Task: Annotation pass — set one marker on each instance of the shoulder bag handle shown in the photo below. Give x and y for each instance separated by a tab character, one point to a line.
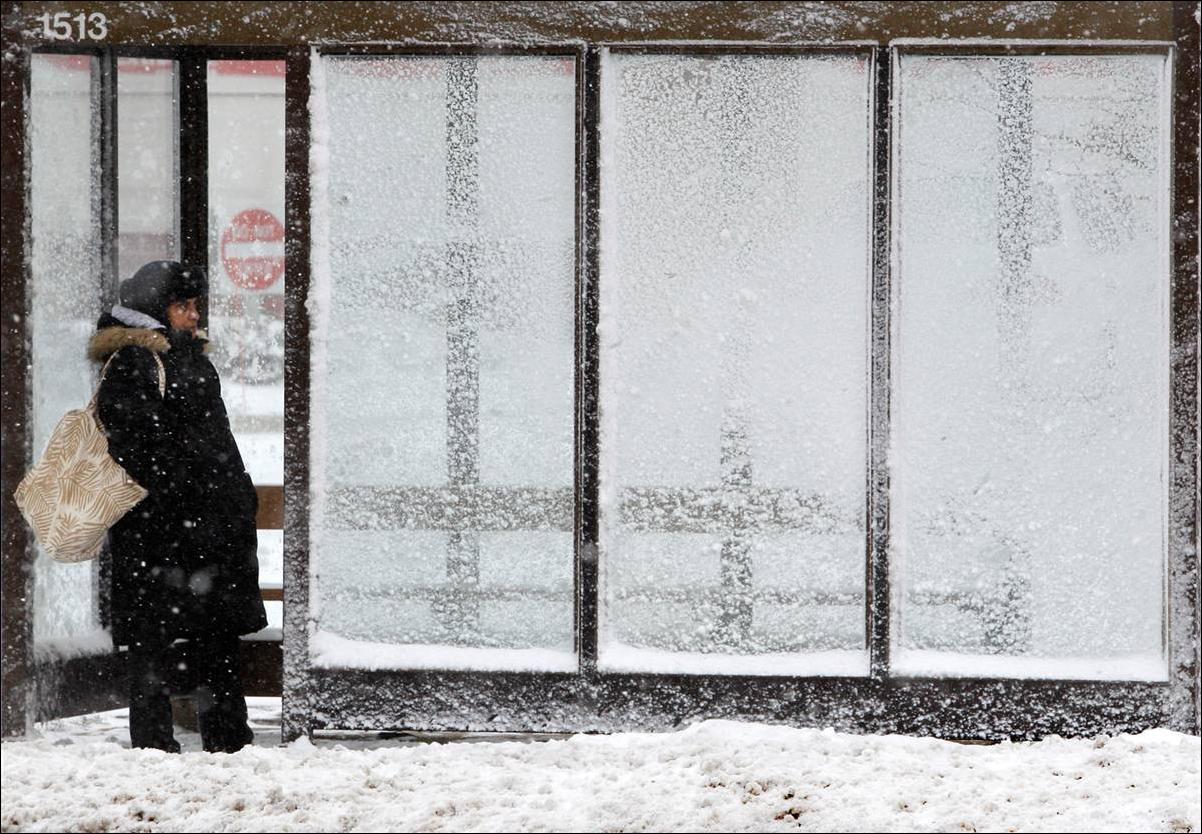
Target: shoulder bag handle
157	360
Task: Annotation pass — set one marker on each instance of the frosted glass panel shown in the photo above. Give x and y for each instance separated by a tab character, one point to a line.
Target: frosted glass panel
444	209
64	302
733	338
1030	365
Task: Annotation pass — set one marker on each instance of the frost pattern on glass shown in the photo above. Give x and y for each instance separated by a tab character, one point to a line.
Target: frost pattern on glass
246	256
147	163
733	361
1030	365
444	358
64	287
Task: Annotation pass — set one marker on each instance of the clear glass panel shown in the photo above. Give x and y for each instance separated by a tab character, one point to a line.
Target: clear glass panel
271	572
65	289
275	614
1030	366
271	558
734	316
246	256
443	355
147	163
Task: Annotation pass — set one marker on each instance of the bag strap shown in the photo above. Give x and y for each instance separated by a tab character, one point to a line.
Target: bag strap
157	360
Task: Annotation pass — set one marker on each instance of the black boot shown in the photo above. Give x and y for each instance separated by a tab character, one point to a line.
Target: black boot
150	723
223	722
220	704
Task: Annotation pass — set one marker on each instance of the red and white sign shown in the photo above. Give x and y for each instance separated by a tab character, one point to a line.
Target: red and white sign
252	249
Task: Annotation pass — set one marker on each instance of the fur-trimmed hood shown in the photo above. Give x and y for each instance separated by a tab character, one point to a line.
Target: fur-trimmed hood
113	333
108	340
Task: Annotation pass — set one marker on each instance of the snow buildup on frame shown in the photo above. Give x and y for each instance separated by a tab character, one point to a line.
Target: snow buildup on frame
715	776
734	298
318	305
444	360
1030	399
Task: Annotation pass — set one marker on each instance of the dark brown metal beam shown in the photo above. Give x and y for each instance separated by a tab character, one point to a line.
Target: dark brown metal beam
518	24
108	106
1185	504
192	91
876	576
296	710
588	357
17	629
612	702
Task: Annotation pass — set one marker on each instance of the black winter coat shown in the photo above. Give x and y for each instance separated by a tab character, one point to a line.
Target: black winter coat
185	558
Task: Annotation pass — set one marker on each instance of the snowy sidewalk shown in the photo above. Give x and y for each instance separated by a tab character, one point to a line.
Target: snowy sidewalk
76	775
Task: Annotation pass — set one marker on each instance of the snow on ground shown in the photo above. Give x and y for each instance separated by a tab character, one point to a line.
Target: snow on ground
78	775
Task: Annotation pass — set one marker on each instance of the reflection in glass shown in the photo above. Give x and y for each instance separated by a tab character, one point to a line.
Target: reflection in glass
147	163
246	255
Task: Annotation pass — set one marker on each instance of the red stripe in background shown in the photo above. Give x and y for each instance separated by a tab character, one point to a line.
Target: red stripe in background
273	68
83	63
277	69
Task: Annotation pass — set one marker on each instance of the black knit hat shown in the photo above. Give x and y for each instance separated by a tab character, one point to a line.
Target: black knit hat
159	283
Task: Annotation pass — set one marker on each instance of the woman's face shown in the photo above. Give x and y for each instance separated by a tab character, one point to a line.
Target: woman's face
184	315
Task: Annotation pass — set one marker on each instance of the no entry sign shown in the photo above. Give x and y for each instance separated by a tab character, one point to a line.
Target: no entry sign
252	249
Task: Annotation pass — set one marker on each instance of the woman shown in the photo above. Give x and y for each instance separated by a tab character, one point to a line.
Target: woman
184	559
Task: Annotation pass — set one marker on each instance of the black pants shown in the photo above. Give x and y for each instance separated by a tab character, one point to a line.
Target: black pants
205	666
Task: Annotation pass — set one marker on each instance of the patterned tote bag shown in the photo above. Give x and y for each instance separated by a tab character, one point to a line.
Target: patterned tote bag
76	492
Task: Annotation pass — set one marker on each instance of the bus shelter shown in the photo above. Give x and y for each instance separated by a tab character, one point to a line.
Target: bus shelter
613	366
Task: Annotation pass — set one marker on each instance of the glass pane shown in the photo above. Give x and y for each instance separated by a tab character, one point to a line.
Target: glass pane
271	558
1030	374
246	256
443	355
65	289
271	574
734	302
147	163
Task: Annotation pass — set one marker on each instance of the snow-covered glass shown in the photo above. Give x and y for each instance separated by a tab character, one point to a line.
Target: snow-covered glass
147	163
64	292
444	197
734	324
1030	366
246	258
